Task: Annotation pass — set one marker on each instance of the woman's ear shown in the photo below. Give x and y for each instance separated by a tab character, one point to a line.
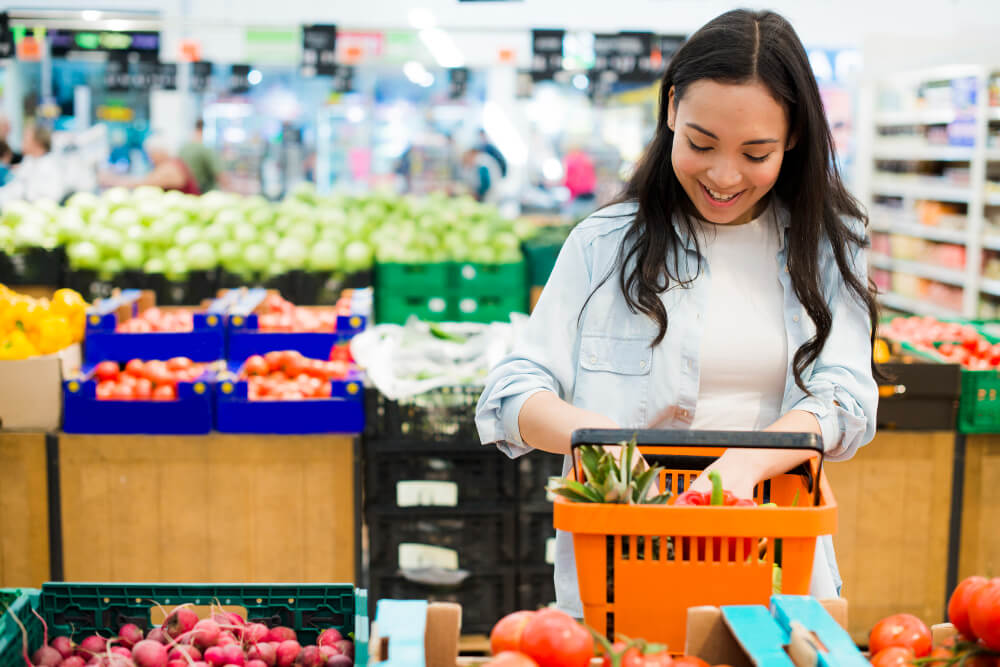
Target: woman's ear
793	139
671	109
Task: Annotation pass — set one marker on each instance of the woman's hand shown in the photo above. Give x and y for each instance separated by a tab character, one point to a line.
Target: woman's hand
739	472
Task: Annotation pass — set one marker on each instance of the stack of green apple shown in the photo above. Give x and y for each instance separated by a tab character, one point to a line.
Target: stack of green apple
170	233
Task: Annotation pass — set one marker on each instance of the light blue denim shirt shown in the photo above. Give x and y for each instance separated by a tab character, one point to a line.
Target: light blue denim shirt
605	363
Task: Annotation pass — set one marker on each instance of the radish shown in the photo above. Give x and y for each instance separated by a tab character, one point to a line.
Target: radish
346	647
73	661
157	635
206	633
64	645
263	652
233	655
214	656
280	634
309	657
227	639
122	651
91	646
149	653
329	637
254	633
46	656
177	663
287	652
340	661
177	652
328	652
180	621
257	663
130	634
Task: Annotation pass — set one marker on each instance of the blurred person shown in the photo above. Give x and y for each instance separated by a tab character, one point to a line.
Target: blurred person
6	157
202	160
481	174
580	179
169	172
5	136
41	175
486	146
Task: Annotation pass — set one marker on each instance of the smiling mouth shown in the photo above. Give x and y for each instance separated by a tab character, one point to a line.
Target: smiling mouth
720	197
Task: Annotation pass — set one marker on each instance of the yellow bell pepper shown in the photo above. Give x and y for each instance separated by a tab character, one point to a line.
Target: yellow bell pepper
17	346
53	334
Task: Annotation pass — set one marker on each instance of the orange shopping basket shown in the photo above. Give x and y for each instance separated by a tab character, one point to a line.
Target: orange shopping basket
640	567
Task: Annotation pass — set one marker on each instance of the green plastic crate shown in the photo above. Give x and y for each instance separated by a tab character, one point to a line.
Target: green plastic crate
86	608
472	278
18	603
490	308
979	403
397	308
413	278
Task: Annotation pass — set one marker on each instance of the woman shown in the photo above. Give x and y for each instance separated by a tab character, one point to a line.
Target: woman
727	289
169	172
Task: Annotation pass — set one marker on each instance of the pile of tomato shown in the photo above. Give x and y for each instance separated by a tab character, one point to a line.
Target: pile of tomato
139	380
287	375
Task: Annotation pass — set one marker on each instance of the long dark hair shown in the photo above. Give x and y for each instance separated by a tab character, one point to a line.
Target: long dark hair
743	46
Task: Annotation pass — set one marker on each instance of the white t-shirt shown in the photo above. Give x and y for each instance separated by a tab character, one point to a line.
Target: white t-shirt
744	351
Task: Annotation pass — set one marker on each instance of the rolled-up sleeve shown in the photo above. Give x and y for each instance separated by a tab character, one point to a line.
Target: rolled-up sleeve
544	353
844	392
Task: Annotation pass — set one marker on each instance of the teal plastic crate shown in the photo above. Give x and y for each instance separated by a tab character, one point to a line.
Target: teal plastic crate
471	278
413	277
490	308
18	603
86	608
397	308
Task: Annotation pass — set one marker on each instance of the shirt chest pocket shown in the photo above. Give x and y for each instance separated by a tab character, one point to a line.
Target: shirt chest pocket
613	377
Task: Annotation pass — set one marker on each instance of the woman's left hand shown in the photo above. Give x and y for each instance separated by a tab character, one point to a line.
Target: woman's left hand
737	471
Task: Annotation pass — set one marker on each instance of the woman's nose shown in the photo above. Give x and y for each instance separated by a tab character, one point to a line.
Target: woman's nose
724	174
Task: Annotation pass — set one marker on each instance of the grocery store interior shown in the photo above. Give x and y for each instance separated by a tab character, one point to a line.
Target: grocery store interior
263	266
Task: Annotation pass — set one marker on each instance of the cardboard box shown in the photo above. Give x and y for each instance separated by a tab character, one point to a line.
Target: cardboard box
31	390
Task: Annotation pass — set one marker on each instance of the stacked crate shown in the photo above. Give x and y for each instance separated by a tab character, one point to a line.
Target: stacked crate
535	534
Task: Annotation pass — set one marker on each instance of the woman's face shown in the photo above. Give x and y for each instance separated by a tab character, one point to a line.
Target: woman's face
729	142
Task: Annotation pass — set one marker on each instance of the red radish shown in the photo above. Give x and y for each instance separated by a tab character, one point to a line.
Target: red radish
280	634
180	621
177	653
149	653
91	646
46	656
205	633
122	651
309	657
157	635
214	656
227	639
177	663
346	647
288	651
254	633
329	637
340	661
73	661
233	655
64	645
328	652
257	663
130	634
264	652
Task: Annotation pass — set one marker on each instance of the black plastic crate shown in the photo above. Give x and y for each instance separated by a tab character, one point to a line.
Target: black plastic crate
37	266
533	472
479	540
485	597
535	539
536	587
481	474
445	414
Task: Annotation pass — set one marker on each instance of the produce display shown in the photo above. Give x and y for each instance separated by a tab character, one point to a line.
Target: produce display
951	342
185	640
171	233
289	376
276	314
155	320
139	380
30	327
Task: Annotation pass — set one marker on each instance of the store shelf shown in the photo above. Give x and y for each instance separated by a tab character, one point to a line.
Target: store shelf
890	150
988	286
993	113
920	117
993	154
941	275
916	306
913	189
993	199
917	230
991	242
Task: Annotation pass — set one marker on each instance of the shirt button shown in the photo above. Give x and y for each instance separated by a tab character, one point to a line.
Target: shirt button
593	358
795	318
642	364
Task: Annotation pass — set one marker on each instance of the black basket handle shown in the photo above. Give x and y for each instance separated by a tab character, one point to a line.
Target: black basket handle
688	438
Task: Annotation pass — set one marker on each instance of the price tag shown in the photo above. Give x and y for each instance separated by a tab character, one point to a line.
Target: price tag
546	53
319	47
413	556
420	493
550	551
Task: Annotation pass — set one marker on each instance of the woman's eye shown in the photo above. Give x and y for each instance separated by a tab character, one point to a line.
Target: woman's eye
753	158
700	149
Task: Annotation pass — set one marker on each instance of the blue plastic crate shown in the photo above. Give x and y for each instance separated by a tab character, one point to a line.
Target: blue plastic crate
206	342
190	414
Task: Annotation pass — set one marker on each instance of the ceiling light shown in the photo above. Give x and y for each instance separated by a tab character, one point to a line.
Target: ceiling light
90	15
254	77
442	47
421	18
580	81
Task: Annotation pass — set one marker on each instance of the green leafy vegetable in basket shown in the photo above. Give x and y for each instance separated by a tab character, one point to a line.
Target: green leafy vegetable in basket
607	479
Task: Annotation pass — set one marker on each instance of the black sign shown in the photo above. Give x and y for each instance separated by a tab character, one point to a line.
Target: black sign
630	57
166	76
144	74
201	76
546	53
319	50
239	79
458	82
343	79
6	37
63	42
116	74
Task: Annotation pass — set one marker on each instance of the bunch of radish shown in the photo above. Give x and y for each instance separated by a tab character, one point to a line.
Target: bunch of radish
184	640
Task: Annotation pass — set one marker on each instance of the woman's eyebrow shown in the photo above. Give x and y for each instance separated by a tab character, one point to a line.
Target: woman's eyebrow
745	143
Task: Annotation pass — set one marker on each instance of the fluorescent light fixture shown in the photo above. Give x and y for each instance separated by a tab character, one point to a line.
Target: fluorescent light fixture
442	47
117	25
580	81
355	114
503	133
552	169
418	74
254	77
421	18
90	15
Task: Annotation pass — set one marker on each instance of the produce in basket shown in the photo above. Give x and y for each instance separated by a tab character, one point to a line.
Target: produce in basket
611	477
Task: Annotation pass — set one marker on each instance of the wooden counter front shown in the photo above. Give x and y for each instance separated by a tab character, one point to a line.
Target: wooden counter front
24	519
979	550
215	508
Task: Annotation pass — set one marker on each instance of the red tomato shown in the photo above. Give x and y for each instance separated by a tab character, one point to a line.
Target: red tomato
325	390
506	634
127	380
630	657
179	363
903	630
106	370
134	367
893	656
105	389
158	373
164	392
295	363
123	392
554	639
946	349
275	360
143	389
958	605
940	652
255	365
511	659
984	614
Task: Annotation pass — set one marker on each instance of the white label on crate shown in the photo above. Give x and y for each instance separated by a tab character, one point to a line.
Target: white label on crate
420	493
550	551
437	305
413	556
469	272
467	305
